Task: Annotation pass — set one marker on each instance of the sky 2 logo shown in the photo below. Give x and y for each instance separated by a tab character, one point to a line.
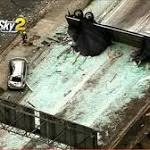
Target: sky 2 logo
13	26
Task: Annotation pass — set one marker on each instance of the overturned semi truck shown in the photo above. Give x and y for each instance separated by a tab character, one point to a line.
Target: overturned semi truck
92	39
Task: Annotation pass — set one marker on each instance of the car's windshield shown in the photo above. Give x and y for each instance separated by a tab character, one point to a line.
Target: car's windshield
16	79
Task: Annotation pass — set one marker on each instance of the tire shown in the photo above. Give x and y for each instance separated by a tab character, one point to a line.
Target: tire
89	16
78	13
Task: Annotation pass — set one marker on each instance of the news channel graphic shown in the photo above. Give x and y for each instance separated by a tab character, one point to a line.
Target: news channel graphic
13	26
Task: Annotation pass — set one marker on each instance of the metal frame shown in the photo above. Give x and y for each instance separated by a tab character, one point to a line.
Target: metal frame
36	132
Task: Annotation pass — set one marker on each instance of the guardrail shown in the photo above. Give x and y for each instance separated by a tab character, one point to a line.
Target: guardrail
46	126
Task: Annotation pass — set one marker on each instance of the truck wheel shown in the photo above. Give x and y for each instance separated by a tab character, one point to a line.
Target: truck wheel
89	16
78	14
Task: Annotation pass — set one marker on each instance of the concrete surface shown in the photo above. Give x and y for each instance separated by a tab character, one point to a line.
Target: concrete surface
102	92
11	9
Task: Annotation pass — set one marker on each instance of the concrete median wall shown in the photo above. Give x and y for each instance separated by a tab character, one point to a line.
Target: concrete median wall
63	131
50	127
17	116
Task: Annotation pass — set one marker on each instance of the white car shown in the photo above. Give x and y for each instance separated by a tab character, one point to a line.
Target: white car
17	73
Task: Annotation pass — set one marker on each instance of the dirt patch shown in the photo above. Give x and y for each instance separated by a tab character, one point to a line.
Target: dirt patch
122	117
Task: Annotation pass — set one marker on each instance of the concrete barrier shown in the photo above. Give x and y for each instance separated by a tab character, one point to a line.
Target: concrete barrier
49	127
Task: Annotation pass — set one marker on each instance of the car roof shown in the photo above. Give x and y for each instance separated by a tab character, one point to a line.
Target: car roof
18	65
18	59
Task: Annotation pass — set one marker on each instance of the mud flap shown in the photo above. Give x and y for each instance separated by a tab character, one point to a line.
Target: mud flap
143	54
